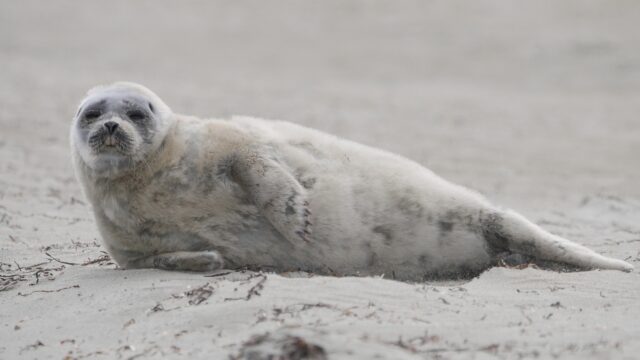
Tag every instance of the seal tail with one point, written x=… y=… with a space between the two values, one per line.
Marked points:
x=512 y=231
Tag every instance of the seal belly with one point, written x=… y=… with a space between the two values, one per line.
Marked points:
x=390 y=216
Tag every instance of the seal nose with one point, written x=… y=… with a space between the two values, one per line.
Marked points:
x=111 y=126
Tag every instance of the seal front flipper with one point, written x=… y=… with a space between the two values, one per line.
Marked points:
x=276 y=193
x=179 y=260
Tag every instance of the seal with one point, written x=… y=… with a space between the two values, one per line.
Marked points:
x=180 y=193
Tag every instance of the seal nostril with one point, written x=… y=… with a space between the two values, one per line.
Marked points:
x=111 y=126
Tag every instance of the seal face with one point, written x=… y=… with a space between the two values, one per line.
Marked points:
x=180 y=193
x=117 y=127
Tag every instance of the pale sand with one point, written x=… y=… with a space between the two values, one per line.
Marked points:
x=535 y=105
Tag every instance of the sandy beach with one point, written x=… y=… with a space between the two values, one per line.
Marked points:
x=535 y=105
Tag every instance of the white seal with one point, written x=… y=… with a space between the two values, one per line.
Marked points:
x=178 y=192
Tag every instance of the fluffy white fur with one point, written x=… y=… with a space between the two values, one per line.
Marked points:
x=254 y=193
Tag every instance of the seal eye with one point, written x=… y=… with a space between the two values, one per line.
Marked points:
x=92 y=114
x=136 y=115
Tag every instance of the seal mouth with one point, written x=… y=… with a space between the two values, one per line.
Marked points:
x=118 y=142
x=110 y=141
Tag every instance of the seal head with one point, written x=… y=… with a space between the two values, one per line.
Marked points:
x=118 y=126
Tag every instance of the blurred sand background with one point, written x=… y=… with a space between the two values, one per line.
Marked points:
x=535 y=104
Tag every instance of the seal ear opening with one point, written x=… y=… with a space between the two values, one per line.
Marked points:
x=151 y=108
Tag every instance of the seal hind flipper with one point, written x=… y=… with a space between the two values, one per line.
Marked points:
x=276 y=193
x=508 y=230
